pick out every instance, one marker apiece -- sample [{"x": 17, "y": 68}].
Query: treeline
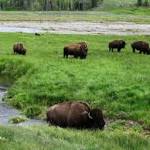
[
  {"x": 48, "y": 4},
  {"x": 143, "y": 2}
]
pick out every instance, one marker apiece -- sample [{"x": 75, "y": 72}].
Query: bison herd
[
  {"x": 80, "y": 50},
  {"x": 79, "y": 114},
  {"x": 141, "y": 46}
]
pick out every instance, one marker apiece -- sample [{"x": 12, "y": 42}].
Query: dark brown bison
[
  {"x": 77, "y": 50},
  {"x": 117, "y": 44},
  {"x": 141, "y": 46},
  {"x": 19, "y": 49},
  {"x": 75, "y": 114},
  {"x": 37, "y": 34}
]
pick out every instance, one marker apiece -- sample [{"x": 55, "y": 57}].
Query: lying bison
[
  {"x": 75, "y": 114},
  {"x": 19, "y": 49},
  {"x": 117, "y": 44},
  {"x": 77, "y": 50},
  {"x": 141, "y": 46}
]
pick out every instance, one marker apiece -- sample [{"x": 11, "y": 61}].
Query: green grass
[
  {"x": 128, "y": 14},
  {"x": 45, "y": 138},
  {"x": 112, "y": 4},
  {"x": 117, "y": 83}
]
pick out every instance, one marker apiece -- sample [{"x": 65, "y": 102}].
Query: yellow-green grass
[{"x": 132, "y": 14}]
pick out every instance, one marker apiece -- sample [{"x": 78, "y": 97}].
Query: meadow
[
  {"x": 104, "y": 14},
  {"x": 46, "y": 138},
  {"x": 118, "y": 83}
]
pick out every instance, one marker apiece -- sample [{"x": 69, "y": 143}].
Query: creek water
[{"x": 7, "y": 112}]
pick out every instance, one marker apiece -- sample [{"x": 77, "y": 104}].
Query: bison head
[
  {"x": 24, "y": 51},
  {"x": 123, "y": 43},
  {"x": 84, "y": 50},
  {"x": 96, "y": 116},
  {"x": 148, "y": 52}
]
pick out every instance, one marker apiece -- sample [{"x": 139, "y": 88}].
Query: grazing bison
[
  {"x": 141, "y": 46},
  {"x": 77, "y": 50},
  {"x": 117, "y": 44},
  {"x": 75, "y": 114},
  {"x": 19, "y": 49},
  {"x": 37, "y": 34}
]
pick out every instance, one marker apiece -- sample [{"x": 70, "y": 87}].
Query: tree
[
  {"x": 146, "y": 3},
  {"x": 48, "y": 4},
  {"x": 139, "y": 2}
]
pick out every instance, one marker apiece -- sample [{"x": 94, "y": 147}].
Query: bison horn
[{"x": 88, "y": 113}]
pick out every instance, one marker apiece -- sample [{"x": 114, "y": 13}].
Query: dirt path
[{"x": 117, "y": 28}]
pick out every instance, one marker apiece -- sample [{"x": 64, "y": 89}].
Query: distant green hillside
[{"x": 108, "y": 4}]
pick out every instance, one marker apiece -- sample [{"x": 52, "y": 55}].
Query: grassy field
[
  {"x": 117, "y": 83},
  {"x": 128, "y": 14},
  {"x": 45, "y": 138}
]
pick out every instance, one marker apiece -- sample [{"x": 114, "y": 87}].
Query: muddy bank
[
  {"x": 114, "y": 28},
  {"x": 8, "y": 112}
]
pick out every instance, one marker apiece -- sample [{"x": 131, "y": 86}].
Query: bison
[
  {"x": 117, "y": 44},
  {"x": 19, "y": 49},
  {"x": 76, "y": 115},
  {"x": 77, "y": 50},
  {"x": 37, "y": 34},
  {"x": 142, "y": 47}
]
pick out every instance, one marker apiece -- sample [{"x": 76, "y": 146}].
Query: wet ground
[
  {"x": 8, "y": 112},
  {"x": 114, "y": 28}
]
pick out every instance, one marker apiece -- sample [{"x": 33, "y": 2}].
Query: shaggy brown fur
[
  {"x": 75, "y": 114},
  {"x": 77, "y": 50},
  {"x": 19, "y": 49},
  {"x": 117, "y": 44},
  {"x": 142, "y": 47}
]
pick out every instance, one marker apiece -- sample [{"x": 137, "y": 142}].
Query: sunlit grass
[
  {"x": 117, "y": 83},
  {"x": 46, "y": 138}
]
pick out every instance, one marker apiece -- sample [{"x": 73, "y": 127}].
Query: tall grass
[{"x": 65, "y": 139}]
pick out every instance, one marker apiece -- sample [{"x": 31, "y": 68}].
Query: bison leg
[
  {"x": 65, "y": 52},
  {"x": 24, "y": 53},
  {"x": 75, "y": 56},
  {"x": 119, "y": 49},
  {"x": 65, "y": 55},
  {"x": 140, "y": 52},
  {"x": 133, "y": 50},
  {"x": 15, "y": 52},
  {"x": 145, "y": 52}
]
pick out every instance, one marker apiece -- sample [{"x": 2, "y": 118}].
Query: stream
[
  {"x": 7, "y": 112},
  {"x": 79, "y": 27}
]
